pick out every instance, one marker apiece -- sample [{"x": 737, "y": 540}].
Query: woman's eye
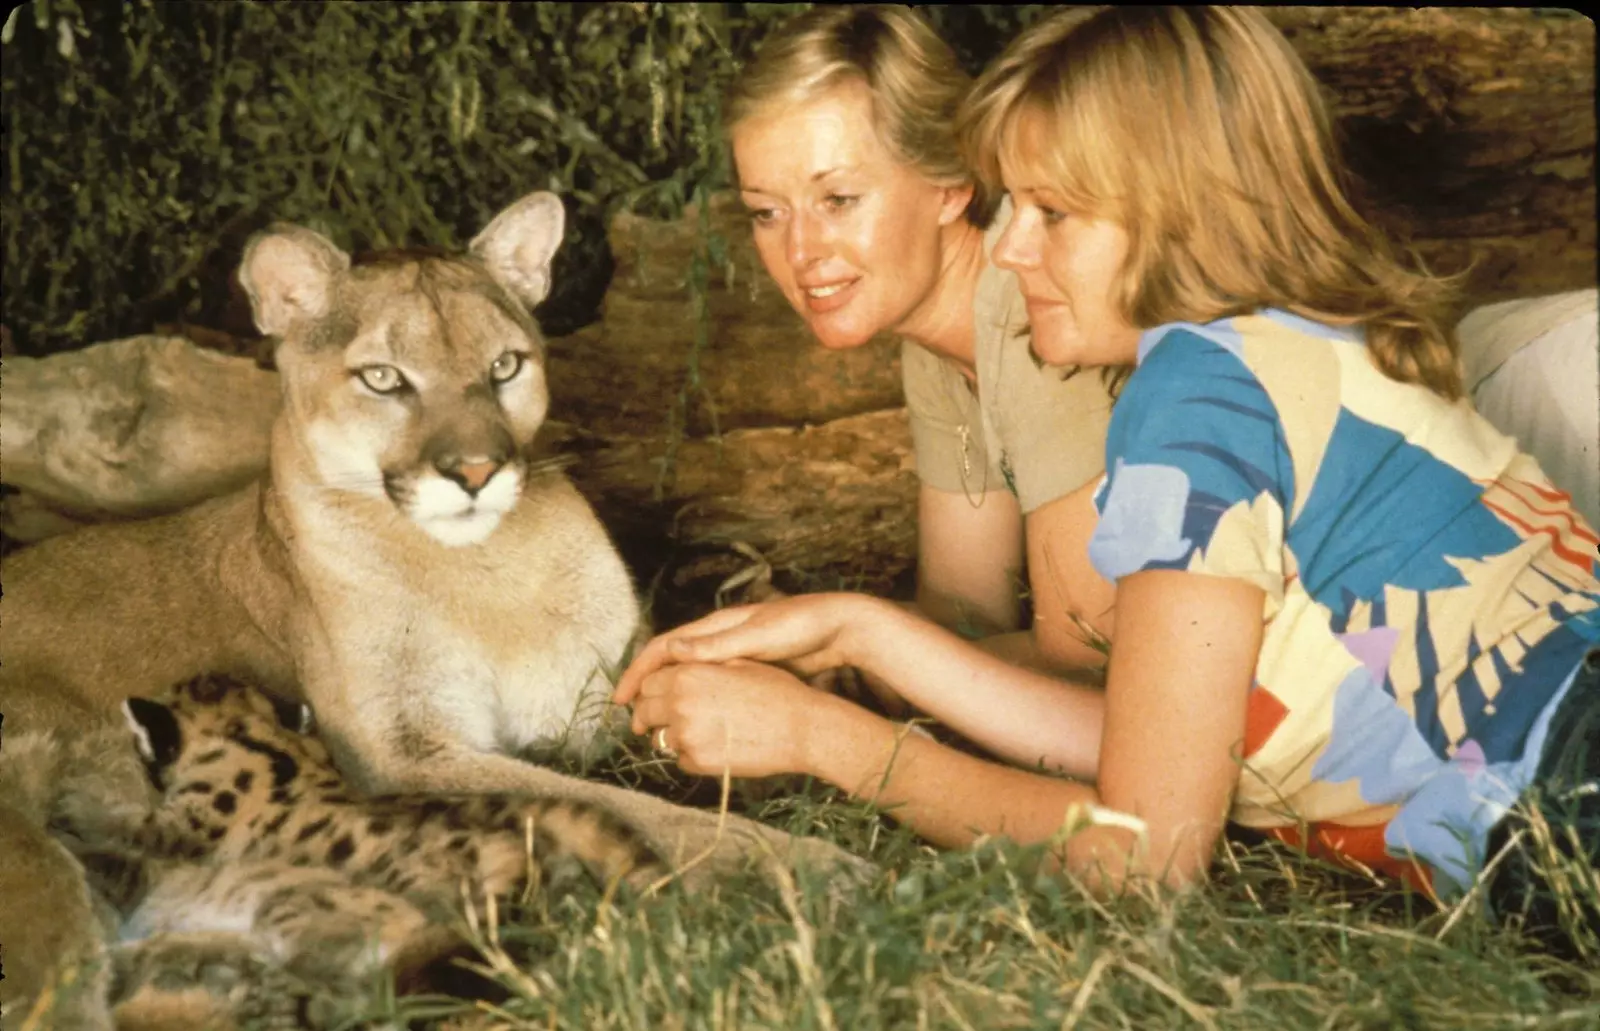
[
  {"x": 505, "y": 367},
  {"x": 382, "y": 379},
  {"x": 762, "y": 216},
  {"x": 840, "y": 201},
  {"x": 1051, "y": 215}
]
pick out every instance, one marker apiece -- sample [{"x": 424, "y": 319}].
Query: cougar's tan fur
[{"x": 439, "y": 599}]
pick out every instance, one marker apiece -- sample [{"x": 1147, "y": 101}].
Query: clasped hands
[{"x": 726, "y": 692}]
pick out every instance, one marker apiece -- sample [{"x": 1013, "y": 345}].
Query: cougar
[{"x": 443, "y": 601}]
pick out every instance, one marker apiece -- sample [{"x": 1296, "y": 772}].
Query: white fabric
[{"x": 1533, "y": 367}]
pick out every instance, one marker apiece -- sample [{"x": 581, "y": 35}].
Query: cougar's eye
[
  {"x": 505, "y": 367},
  {"x": 382, "y": 379}
]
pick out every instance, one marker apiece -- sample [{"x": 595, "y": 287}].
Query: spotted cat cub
[{"x": 258, "y": 840}]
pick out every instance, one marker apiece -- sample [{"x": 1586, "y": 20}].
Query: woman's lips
[{"x": 829, "y": 297}]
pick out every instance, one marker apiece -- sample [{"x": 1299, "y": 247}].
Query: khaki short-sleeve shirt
[{"x": 1026, "y": 429}]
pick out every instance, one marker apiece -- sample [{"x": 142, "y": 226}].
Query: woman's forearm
[
  {"x": 1065, "y": 654},
  {"x": 1022, "y": 715},
  {"x": 1074, "y": 660},
  {"x": 945, "y": 795},
  {"x": 951, "y": 798}
]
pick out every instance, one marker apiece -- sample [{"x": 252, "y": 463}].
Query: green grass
[{"x": 978, "y": 939}]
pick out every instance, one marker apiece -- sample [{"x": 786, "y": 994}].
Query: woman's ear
[{"x": 955, "y": 202}]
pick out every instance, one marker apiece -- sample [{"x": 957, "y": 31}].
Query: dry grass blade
[
  {"x": 804, "y": 948},
  {"x": 1195, "y": 1012},
  {"x": 1080, "y": 998}
]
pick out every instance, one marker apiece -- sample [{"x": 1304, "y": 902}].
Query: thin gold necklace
[{"x": 964, "y": 433}]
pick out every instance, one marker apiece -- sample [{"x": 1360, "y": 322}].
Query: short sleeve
[
  {"x": 946, "y": 427},
  {"x": 1198, "y": 476}
]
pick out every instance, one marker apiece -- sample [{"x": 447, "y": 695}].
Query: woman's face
[
  {"x": 1066, "y": 264},
  {"x": 850, "y": 235}
]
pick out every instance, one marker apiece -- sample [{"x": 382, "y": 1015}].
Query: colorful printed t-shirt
[{"x": 1429, "y": 594}]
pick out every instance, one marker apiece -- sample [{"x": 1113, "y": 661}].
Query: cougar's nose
[{"x": 471, "y": 472}]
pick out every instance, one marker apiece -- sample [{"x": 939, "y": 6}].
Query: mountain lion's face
[
  {"x": 417, "y": 380},
  {"x": 425, "y": 387}
]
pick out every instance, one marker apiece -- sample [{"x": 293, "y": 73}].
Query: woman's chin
[
  {"x": 1064, "y": 353},
  {"x": 840, "y": 338},
  {"x": 1058, "y": 354}
]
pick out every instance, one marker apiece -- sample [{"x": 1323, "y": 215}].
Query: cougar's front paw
[{"x": 278, "y": 1001}]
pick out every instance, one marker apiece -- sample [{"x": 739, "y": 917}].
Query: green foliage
[{"x": 144, "y": 142}]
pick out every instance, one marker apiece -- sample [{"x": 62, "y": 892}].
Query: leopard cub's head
[
  {"x": 414, "y": 380},
  {"x": 218, "y": 749}
]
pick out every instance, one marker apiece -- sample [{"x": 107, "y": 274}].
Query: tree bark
[
  {"x": 824, "y": 505},
  {"x": 1474, "y": 132}
]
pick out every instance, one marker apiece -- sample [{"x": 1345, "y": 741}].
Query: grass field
[{"x": 975, "y": 940}]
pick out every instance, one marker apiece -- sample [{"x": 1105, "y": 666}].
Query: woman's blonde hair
[
  {"x": 914, "y": 80},
  {"x": 1200, "y": 132}
]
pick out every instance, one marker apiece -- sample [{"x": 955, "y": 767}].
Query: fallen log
[
  {"x": 826, "y": 505},
  {"x": 1473, "y": 130},
  {"x": 128, "y": 428}
]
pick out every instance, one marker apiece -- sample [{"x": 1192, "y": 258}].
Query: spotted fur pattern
[{"x": 258, "y": 836}]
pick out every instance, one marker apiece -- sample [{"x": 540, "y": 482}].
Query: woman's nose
[
  {"x": 1016, "y": 249},
  {"x": 806, "y": 243}
]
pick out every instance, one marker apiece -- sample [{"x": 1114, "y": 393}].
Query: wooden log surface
[
  {"x": 701, "y": 412},
  {"x": 1473, "y": 131},
  {"x": 827, "y": 505}
]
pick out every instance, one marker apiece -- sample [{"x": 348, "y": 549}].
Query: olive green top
[{"x": 1027, "y": 429}]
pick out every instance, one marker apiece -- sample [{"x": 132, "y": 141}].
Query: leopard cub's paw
[
  {"x": 217, "y": 962},
  {"x": 202, "y": 980}
]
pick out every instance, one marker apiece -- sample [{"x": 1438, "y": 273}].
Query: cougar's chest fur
[{"x": 508, "y": 645}]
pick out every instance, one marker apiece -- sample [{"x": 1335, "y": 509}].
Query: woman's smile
[{"x": 830, "y": 297}]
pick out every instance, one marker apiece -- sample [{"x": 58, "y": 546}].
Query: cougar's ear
[
  {"x": 155, "y": 731},
  {"x": 288, "y": 273},
  {"x": 520, "y": 241}
]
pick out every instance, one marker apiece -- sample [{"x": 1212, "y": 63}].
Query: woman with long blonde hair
[{"x": 1349, "y": 612}]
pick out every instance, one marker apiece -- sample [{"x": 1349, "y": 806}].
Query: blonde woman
[
  {"x": 865, "y": 215},
  {"x": 1349, "y": 611}
]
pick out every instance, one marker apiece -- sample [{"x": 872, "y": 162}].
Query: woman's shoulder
[
  {"x": 1181, "y": 360},
  {"x": 1249, "y": 338},
  {"x": 1292, "y": 361}
]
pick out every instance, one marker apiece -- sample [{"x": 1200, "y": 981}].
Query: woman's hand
[
  {"x": 746, "y": 718},
  {"x": 806, "y": 635}
]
